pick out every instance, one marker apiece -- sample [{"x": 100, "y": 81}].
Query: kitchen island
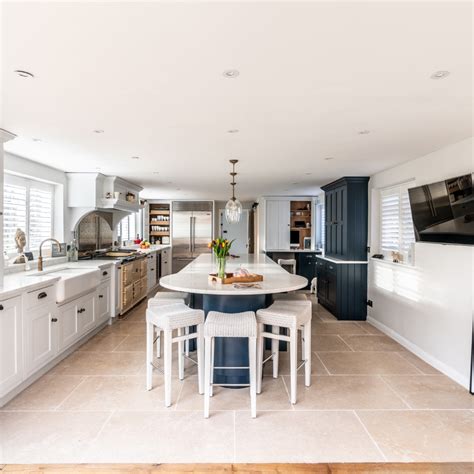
[{"x": 194, "y": 279}]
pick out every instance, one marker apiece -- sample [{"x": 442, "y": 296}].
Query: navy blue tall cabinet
[{"x": 342, "y": 272}]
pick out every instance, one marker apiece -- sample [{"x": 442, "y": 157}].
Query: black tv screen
[{"x": 444, "y": 211}]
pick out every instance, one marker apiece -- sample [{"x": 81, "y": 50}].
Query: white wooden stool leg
[
  {"x": 293, "y": 363},
  {"x": 213, "y": 349},
  {"x": 200, "y": 357},
  {"x": 180, "y": 356},
  {"x": 158, "y": 342},
  {"x": 302, "y": 343},
  {"x": 168, "y": 354},
  {"x": 186, "y": 343},
  {"x": 260, "y": 344},
  {"x": 207, "y": 374},
  {"x": 150, "y": 334},
  {"x": 275, "y": 351},
  {"x": 307, "y": 353},
  {"x": 253, "y": 375}
]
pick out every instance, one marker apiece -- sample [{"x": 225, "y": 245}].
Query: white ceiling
[{"x": 312, "y": 74}]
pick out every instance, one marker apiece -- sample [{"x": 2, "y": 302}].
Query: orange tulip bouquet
[{"x": 221, "y": 249}]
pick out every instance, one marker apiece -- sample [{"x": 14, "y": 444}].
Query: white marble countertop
[
  {"x": 16, "y": 283},
  {"x": 194, "y": 277},
  {"x": 338, "y": 261}
]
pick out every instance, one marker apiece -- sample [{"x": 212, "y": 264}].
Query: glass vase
[{"x": 221, "y": 267}]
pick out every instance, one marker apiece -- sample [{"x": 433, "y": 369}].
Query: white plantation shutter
[
  {"x": 28, "y": 205},
  {"x": 396, "y": 225},
  {"x": 41, "y": 215},
  {"x": 14, "y": 213}
]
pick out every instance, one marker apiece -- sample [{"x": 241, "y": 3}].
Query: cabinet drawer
[
  {"x": 40, "y": 297},
  {"x": 127, "y": 296},
  {"x": 106, "y": 273}
]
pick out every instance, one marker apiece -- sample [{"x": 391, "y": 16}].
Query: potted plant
[{"x": 221, "y": 249}]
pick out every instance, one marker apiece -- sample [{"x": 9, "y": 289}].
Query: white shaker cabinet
[
  {"x": 40, "y": 337},
  {"x": 152, "y": 260},
  {"x": 103, "y": 301},
  {"x": 11, "y": 344},
  {"x": 277, "y": 224},
  {"x": 86, "y": 313},
  {"x": 68, "y": 328}
]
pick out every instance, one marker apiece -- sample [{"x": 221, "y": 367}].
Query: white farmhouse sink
[{"x": 73, "y": 281}]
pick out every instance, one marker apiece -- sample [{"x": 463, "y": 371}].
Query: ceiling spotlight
[
  {"x": 169, "y": 182},
  {"x": 98, "y": 131},
  {"x": 364, "y": 132},
  {"x": 156, "y": 172},
  {"x": 37, "y": 139},
  {"x": 307, "y": 174},
  {"x": 294, "y": 184},
  {"x": 135, "y": 157},
  {"x": 439, "y": 74},
  {"x": 231, "y": 73},
  {"x": 24, "y": 74},
  {"x": 329, "y": 158},
  {"x": 233, "y": 130}
]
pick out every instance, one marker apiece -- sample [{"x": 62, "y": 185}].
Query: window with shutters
[
  {"x": 128, "y": 227},
  {"x": 29, "y": 206},
  {"x": 396, "y": 224}
]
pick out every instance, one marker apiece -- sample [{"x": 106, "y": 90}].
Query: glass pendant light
[{"x": 233, "y": 208}]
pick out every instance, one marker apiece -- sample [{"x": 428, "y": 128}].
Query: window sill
[
  {"x": 386, "y": 261},
  {"x": 20, "y": 267}
]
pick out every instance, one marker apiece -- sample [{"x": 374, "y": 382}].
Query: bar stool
[
  {"x": 172, "y": 296},
  {"x": 294, "y": 315},
  {"x": 289, "y": 262},
  {"x": 230, "y": 325},
  {"x": 169, "y": 317}
]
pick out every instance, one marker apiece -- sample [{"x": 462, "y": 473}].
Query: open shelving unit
[
  {"x": 159, "y": 222},
  {"x": 300, "y": 222}
]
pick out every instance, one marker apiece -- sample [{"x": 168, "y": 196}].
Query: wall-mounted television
[{"x": 444, "y": 211}]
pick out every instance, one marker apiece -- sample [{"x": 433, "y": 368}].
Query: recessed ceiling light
[
  {"x": 294, "y": 184},
  {"x": 98, "y": 130},
  {"x": 307, "y": 174},
  {"x": 170, "y": 182},
  {"x": 231, "y": 73},
  {"x": 26, "y": 74},
  {"x": 364, "y": 132},
  {"x": 135, "y": 157},
  {"x": 37, "y": 139},
  {"x": 178, "y": 189},
  {"x": 329, "y": 158},
  {"x": 233, "y": 130},
  {"x": 156, "y": 172},
  {"x": 439, "y": 74}
]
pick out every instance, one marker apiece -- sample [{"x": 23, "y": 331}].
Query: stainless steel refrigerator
[{"x": 192, "y": 230}]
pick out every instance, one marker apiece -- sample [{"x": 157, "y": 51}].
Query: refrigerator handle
[
  {"x": 190, "y": 234},
  {"x": 194, "y": 234}
]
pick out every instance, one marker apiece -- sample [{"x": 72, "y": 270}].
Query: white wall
[
  {"x": 428, "y": 307},
  {"x": 28, "y": 168}
]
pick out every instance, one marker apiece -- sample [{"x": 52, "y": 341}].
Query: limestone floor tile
[
  {"x": 164, "y": 437},
  {"x": 346, "y": 328},
  {"x": 345, "y": 392},
  {"x": 371, "y": 343},
  {"x": 369, "y": 328},
  {"x": 273, "y": 397},
  {"x": 367, "y": 363},
  {"x": 328, "y": 343},
  {"x": 46, "y": 393},
  {"x": 317, "y": 368},
  {"x": 431, "y": 391},
  {"x": 302, "y": 437},
  {"x": 416, "y": 436},
  {"x": 117, "y": 392},
  {"x": 326, "y": 316},
  {"x": 418, "y": 363},
  {"x": 47, "y": 437},
  {"x": 132, "y": 344},
  {"x": 101, "y": 363},
  {"x": 133, "y": 328},
  {"x": 103, "y": 342}
]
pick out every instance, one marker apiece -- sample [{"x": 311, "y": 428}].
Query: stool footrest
[
  {"x": 230, "y": 384},
  {"x": 231, "y": 368},
  {"x": 301, "y": 365}
]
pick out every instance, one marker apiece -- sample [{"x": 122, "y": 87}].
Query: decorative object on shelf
[
  {"x": 221, "y": 249},
  {"x": 20, "y": 243},
  {"x": 130, "y": 197},
  {"x": 233, "y": 208},
  {"x": 108, "y": 195},
  {"x": 117, "y": 195},
  {"x": 397, "y": 257}
]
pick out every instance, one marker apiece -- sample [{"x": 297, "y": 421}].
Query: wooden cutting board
[{"x": 230, "y": 278}]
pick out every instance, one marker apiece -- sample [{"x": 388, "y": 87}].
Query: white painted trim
[{"x": 437, "y": 364}]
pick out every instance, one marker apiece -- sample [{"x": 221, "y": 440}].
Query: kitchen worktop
[
  {"x": 294, "y": 251},
  {"x": 194, "y": 278},
  {"x": 19, "y": 282}
]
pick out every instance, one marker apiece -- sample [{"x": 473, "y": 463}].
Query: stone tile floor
[{"x": 370, "y": 401}]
